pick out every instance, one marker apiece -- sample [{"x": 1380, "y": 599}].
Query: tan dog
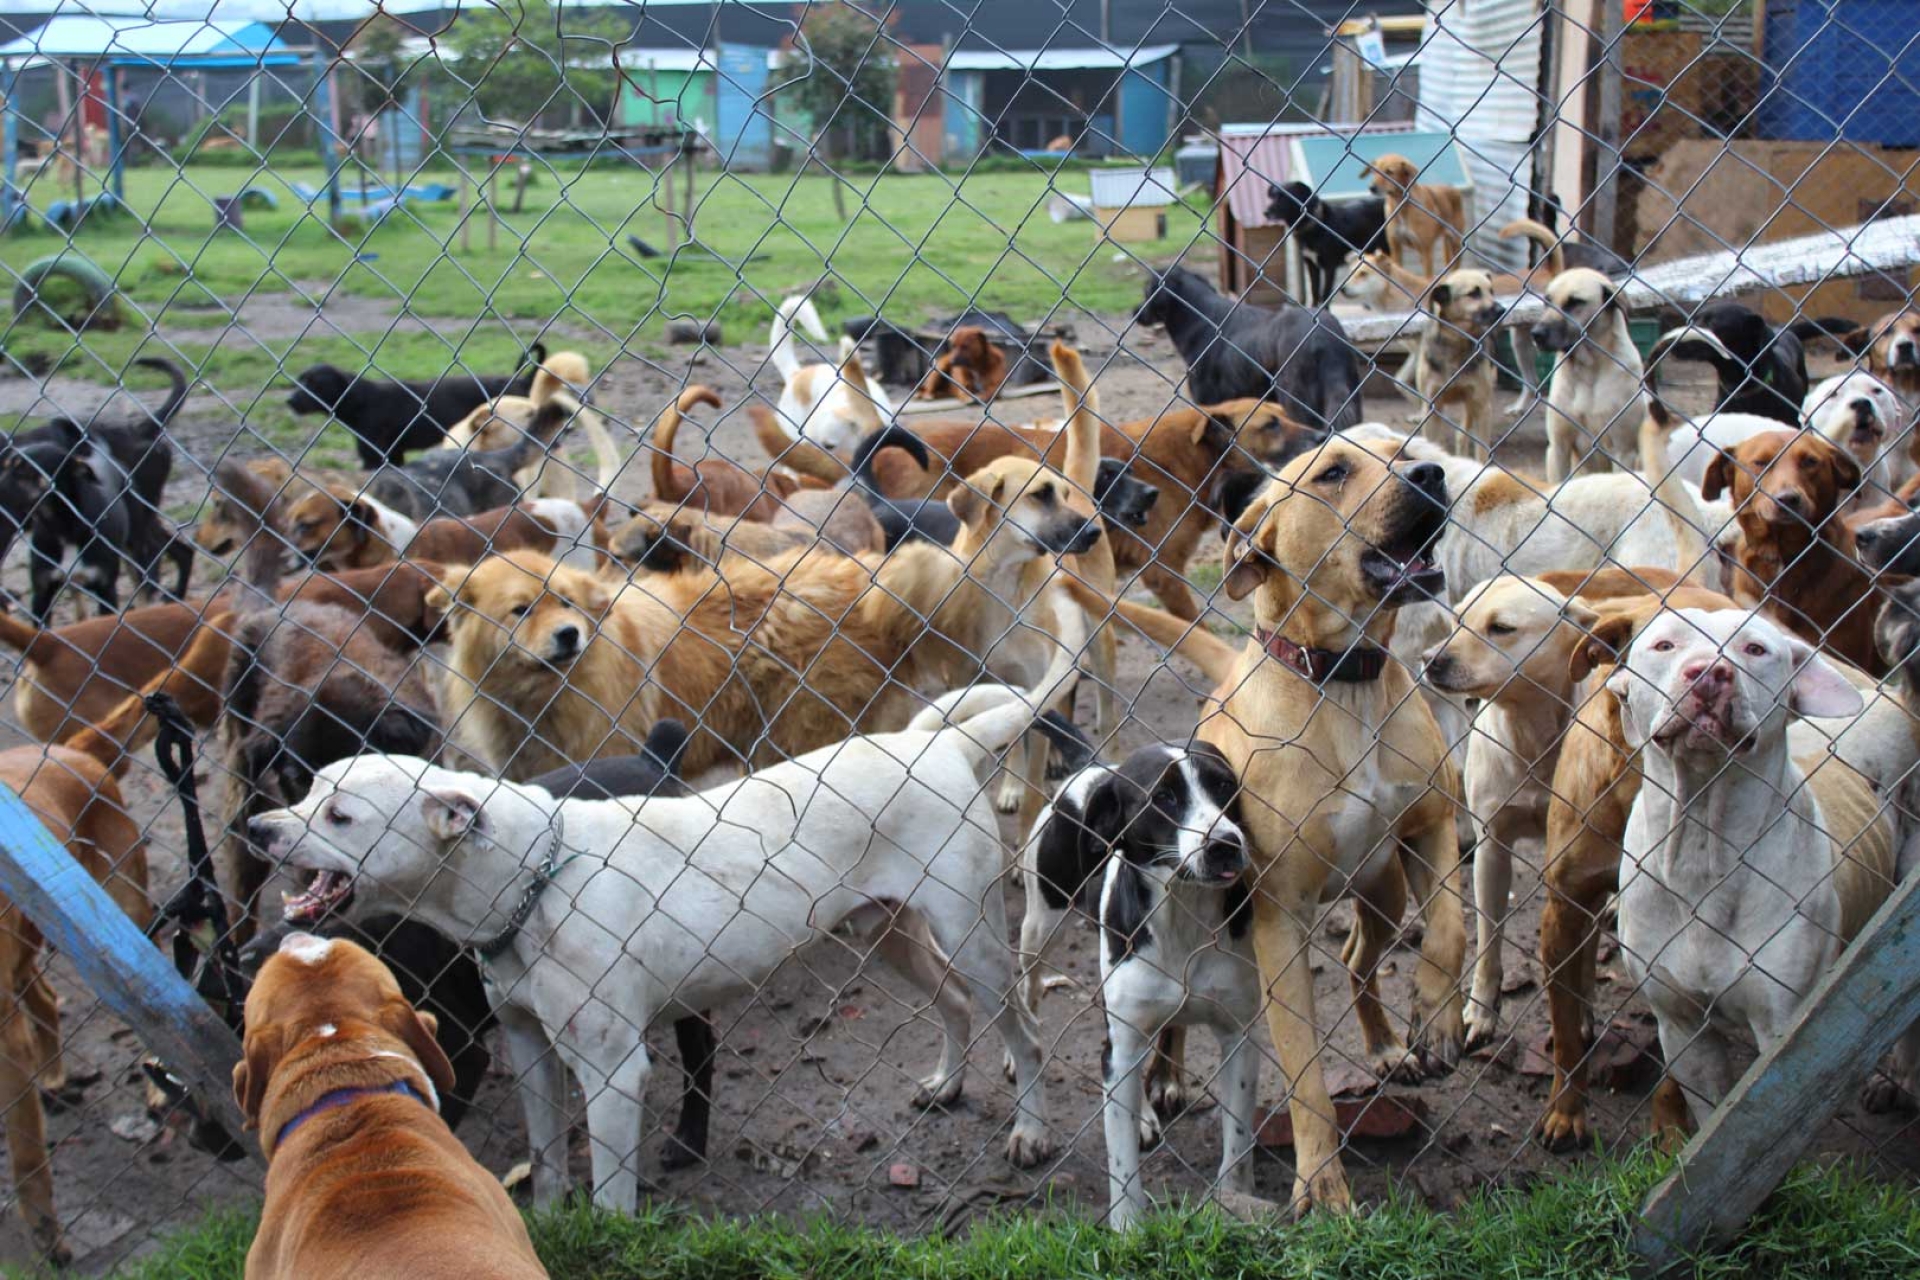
[
  {"x": 1453, "y": 368},
  {"x": 550, "y": 666},
  {"x": 1511, "y": 650},
  {"x": 1423, "y": 218},
  {"x": 74, "y": 795},
  {"x": 1329, "y": 550},
  {"x": 501, "y": 423},
  {"x": 1595, "y": 401},
  {"x": 342, "y": 1078},
  {"x": 1595, "y": 781}
]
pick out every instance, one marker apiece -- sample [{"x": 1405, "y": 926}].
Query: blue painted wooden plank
[
  {"x": 116, "y": 960},
  {"x": 1847, "y": 1023}
]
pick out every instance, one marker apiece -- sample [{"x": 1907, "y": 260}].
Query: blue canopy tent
[{"x": 83, "y": 44}]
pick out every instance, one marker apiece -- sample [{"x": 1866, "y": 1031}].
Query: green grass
[
  {"x": 1824, "y": 1222},
  {"x": 918, "y": 246}
]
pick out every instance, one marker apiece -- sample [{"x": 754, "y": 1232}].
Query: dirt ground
[{"x": 813, "y": 1113}]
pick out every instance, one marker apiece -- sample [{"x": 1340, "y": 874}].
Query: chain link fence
[{"x": 1378, "y": 531}]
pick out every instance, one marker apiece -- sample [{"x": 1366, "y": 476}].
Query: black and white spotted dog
[{"x": 1159, "y": 836}]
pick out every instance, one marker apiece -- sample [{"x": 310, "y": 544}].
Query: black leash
[{"x": 203, "y": 948}]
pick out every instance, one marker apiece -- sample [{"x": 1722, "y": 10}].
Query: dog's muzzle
[
  {"x": 1885, "y": 545},
  {"x": 1866, "y": 422},
  {"x": 1223, "y": 860},
  {"x": 1553, "y": 335}
]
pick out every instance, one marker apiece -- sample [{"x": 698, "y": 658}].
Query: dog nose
[
  {"x": 566, "y": 639},
  {"x": 1791, "y": 499},
  {"x": 1866, "y": 537},
  {"x": 1707, "y": 674},
  {"x": 1224, "y": 857}
]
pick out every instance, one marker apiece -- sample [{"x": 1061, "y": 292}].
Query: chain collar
[{"x": 492, "y": 947}]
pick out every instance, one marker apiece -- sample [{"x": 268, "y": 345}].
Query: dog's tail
[
  {"x": 803, "y": 456},
  {"x": 17, "y": 633},
  {"x": 992, "y": 717},
  {"x": 549, "y": 421},
  {"x": 892, "y": 436},
  {"x": 1692, "y": 555},
  {"x": 796, "y": 309},
  {"x": 1083, "y": 418},
  {"x": 195, "y": 682},
  {"x": 1215, "y": 657},
  {"x": 1551, "y": 255},
  {"x": 1694, "y": 342},
  {"x": 175, "y": 397},
  {"x": 665, "y": 428}
]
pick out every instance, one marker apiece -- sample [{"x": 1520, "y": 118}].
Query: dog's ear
[
  {"x": 1580, "y": 615},
  {"x": 1858, "y": 340},
  {"x": 451, "y": 813},
  {"x": 1819, "y": 690},
  {"x": 1719, "y": 476},
  {"x": 261, "y": 1054},
  {"x": 1441, "y": 296},
  {"x": 1846, "y": 469},
  {"x": 438, "y": 601},
  {"x": 972, "y": 497},
  {"x": 361, "y": 513},
  {"x": 419, "y": 1032},
  {"x": 1609, "y": 295},
  {"x": 1606, "y": 641},
  {"x": 1246, "y": 558}
]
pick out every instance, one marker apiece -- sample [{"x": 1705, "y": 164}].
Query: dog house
[{"x": 1130, "y": 205}]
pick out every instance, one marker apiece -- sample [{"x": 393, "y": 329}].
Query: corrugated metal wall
[{"x": 1479, "y": 78}]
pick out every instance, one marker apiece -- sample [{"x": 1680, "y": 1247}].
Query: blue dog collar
[{"x": 346, "y": 1097}]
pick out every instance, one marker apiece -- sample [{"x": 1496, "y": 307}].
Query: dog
[
  {"x": 829, "y": 405},
  {"x": 971, "y": 368},
  {"x": 1329, "y": 551},
  {"x": 1761, "y": 370},
  {"x": 895, "y": 852},
  {"x": 1425, "y": 221},
  {"x": 75, "y": 796},
  {"x": 389, "y": 420},
  {"x": 1559, "y": 253},
  {"x": 1300, "y": 359},
  {"x": 1595, "y": 780},
  {"x": 1327, "y": 232},
  {"x": 718, "y": 485},
  {"x": 1797, "y": 557},
  {"x": 1594, "y": 398},
  {"x": 1868, "y": 419},
  {"x": 335, "y": 528},
  {"x": 343, "y": 1078},
  {"x": 665, "y": 537},
  {"x": 1175, "y": 912},
  {"x": 1453, "y": 367},
  {"x": 548, "y": 665},
  {"x": 468, "y": 481},
  {"x": 500, "y": 424},
  {"x": 248, "y": 498},
  {"x": 95, "y": 490},
  {"x": 1726, "y": 929},
  {"x": 1890, "y": 345},
  {"x": 1510, "y": 652}
]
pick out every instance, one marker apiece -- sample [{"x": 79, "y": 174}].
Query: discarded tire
[{"x": 98, "y": 305}]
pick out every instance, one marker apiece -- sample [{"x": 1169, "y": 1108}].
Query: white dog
[
  {"x": 597, "y": 919},
  {"x": 833, "y": 406},
  {"x": 1753, "y": 854}
]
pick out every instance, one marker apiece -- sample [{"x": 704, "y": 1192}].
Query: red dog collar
[{"x": 1357, "y": 665}]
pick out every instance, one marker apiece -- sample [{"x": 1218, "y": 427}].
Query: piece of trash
[
  {"x": 135, "y": 1126},
  {"x": 904, "y": 1175}
]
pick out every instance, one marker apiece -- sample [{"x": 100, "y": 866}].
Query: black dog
[
  {"x": 464, "y": 482},
  {"x": 95, "y": 489},
  {"x": 1761, "y": 370},
  {"x": 1296, "y": 357},
  {"x": 389, "y": 419},
  {"x": 1328, "y": 233},
  {"x": 654, "y": 772}
]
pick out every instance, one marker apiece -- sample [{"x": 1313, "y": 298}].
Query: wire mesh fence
[{"x": 899, "y": 562}]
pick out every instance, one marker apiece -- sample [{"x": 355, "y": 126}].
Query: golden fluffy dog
[
  {"x": 343, "y": 1080},
  {"x": 1424, "y": 219}
]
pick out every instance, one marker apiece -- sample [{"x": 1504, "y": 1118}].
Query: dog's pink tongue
[{"x": 316, "y": 898}]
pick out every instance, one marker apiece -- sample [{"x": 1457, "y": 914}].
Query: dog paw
[
  {"x": 1168, "y": 1095},
  {"x": 1395, "y": 1061},
  {"x": 1482, "y": 1025},
  {"x": 680, "y": 1155},
  {"x": 1441, "y": 1038},
  {"x": 1027, "y": 1147},
  {"x": 1151, "y": 1130},
  {"x": 1883, "y": 1093},
  {"x": 938, "y": 1091},
  {"x": 1563, "y": 1128},
  {"x": 1325, "y": 1192},
  {"x": 52, "y": 1245},
  {"x": 1007, "y": 798}
]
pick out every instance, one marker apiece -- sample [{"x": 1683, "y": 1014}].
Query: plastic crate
[{"x": 1842, "y": 69}]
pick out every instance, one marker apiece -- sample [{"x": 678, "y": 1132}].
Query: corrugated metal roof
[
  {"x": 1094, "y": 58},
  {"x": 1479, "y": 80},
  {"x": 144, "y": 40},
  {"x": 1132, "y": 188}
]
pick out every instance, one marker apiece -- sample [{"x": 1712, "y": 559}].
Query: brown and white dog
[
  {"x": 1424, "y": 219},
  {"x": 718, "y": 485},
  {"x": 832, "y": 406},
  {"x": 338, "y": 528},
  {"x": 343, "y": 1079}
]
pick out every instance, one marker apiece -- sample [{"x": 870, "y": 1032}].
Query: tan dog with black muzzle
[
  {"x": 1340, "y": 759},
  {"x": 364, "y": 1179}
]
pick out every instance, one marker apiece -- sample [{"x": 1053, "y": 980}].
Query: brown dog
[
  {"x": 716, "y": 485},
  {"x": 247, "y": 497},
  {"x": 1453, "y": 365},
  {"x": 75, "y": 797},
  {"x": 342, "y": 1078},
  {"x": 1797, "y": 556},
  {"x": 971, "y": 367},
  {"x": 1595, "y": 780},
  {"x": 336, "y": 528},
  {"x": 1424, "y": 217}
]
